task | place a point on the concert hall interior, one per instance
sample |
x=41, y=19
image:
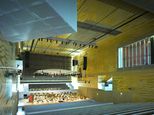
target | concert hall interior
x=76, y=57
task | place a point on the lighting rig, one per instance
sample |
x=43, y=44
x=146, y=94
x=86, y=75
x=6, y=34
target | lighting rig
x=56, y=74
x=62, y=41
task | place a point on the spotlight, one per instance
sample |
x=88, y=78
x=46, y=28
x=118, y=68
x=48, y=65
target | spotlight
x=96, y=46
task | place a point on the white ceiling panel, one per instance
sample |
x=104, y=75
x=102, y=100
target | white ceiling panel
x=22, y=20
x=8, y=6
x=23, y=16
x=43, y=10
x=28, y=3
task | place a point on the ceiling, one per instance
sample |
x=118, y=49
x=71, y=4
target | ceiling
x=108, y=15
x=143, y=4
x=22, y=20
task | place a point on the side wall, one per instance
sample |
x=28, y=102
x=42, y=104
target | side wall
x=7, y=55
x=129, y=85
x=134, y=85
x=96, y=94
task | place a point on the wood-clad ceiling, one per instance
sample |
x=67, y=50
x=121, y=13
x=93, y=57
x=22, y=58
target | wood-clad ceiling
x=112, y=14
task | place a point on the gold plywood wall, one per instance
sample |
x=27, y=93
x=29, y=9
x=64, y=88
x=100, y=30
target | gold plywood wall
x=7, y=55
x=138, y=84
x=135, y=85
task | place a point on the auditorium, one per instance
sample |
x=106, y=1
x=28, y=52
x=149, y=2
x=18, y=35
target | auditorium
x=77, y=57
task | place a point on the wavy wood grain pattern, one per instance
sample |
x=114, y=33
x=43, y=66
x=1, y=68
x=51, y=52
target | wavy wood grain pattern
x=6, y=56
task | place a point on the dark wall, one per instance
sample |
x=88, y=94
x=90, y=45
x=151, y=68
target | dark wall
x=34, y=62
x=58, y=86
x=152, y=50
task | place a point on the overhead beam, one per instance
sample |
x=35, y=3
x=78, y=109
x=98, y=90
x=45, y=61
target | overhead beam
x=96, y=28
x=100, y=36
x=32, y=45
x=35, y=45
x=70, y=41
x=121, y=4
x=50, y=49
x=147, y=6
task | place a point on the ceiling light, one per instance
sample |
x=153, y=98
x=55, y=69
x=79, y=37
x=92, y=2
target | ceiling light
x=78, y=52
x=24, y=48
x=96, y=46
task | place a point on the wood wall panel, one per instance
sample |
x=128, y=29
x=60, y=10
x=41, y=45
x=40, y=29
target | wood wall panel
x=98, y=95
x=129, y=85
x=140, y=83
x=7, y=55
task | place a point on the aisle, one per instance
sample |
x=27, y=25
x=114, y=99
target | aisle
x=50, y=108
x=91, y=108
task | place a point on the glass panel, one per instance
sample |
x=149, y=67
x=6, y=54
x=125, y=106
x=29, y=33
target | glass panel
x=135, y=54
x=128, y=50
x=123, y=57
x=142, y=52
x=132, y=45
x=149, y=51
x=138, y=54
x=126, y=56
x=120, y=57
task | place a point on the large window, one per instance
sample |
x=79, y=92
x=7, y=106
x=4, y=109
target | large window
x=137, y=54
